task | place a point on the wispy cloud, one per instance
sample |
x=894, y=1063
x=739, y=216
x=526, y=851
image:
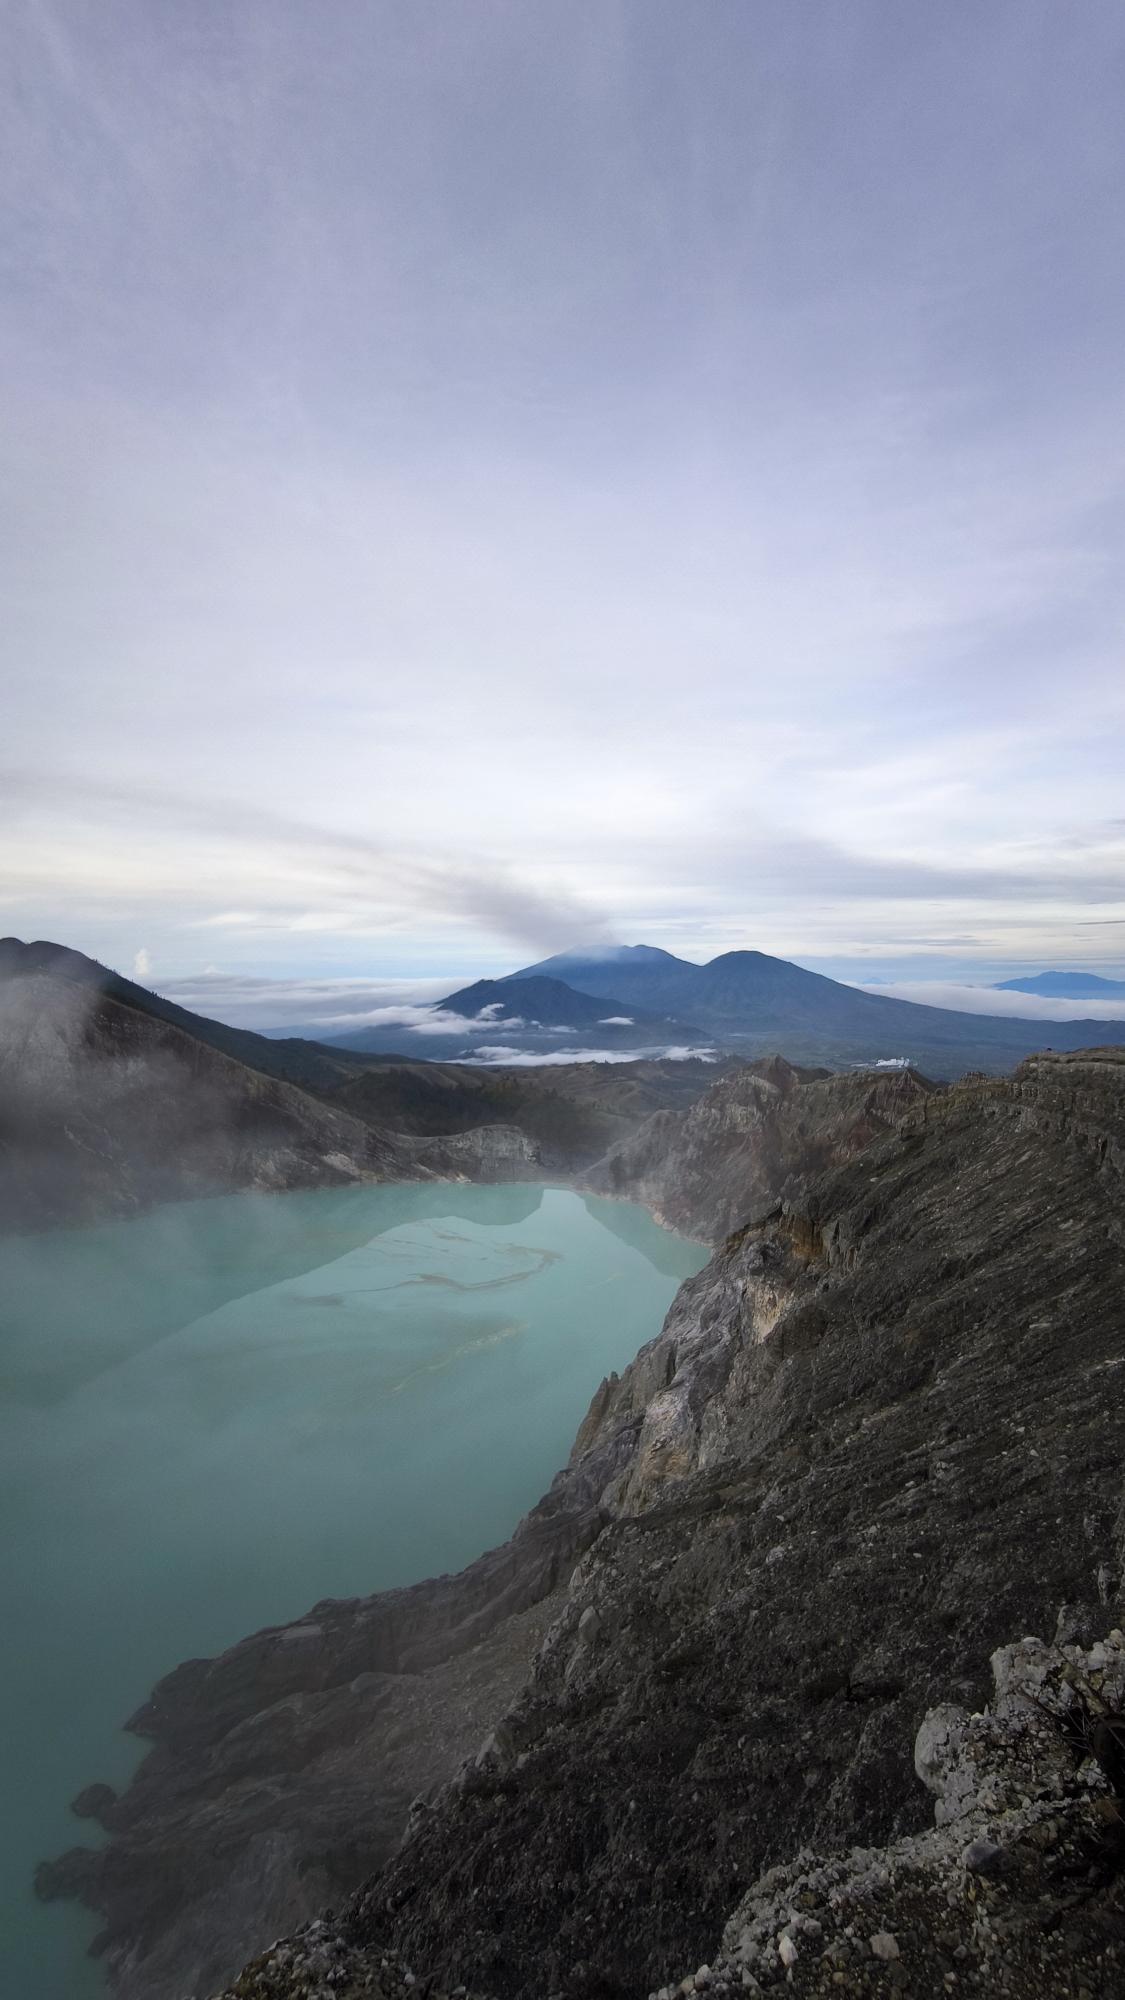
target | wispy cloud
x=370, y=878
x=987, y=1000
x=252, y=1001
x=498, y=1055
x=561, y=477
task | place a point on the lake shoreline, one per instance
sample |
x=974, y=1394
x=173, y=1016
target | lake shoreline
x=487, y=1336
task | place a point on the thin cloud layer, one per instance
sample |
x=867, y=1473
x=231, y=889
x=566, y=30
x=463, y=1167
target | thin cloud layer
x=497, y=1055
x=986, y=1000
x=576, y=475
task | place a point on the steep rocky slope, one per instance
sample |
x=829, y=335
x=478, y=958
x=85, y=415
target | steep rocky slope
x=748, y=1138
x=293, y=1059
x=1018, y=1888
x=112, y=1099
x=879, y=1435
x=105, y=1110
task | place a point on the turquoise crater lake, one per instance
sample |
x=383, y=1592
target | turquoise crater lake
x=215, y=1414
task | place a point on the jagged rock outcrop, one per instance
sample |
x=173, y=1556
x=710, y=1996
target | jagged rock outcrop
x=749, y=1138
x=1018, y=1887
x=1027, y=1806
x=879, y=1435
x=485, y=1153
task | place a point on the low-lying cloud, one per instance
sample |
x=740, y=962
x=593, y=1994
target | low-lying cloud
x=499, y=1057
x=987, y=1000
x=250, y=1000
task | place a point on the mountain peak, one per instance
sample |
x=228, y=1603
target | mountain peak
x=1063, y=985
x=610, y=954
x=536, y=998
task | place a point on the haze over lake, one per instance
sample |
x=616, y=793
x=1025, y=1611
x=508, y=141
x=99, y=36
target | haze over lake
x=218, y=1413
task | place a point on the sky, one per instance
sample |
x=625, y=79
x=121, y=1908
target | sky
x=483, y=479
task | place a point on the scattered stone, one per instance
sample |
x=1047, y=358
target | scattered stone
x=884, y=1945
x=983, y=1857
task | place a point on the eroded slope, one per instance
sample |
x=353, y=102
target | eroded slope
x=888, y=1438
x=748, y=1139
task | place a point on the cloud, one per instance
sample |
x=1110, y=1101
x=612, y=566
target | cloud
x=252, y=1001
x=380, y=527
x=616, y=1021
x=493, y=1016
x=964, y=999
x=420, y=1020
x=368, y=875
x=498, y=1055
x=142, y=965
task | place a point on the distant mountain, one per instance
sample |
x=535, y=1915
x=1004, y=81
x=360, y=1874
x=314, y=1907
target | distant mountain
x=639, y=974
x=537, y=1014
x=754, y=1004
x=545, y=1003
x=1065, y=986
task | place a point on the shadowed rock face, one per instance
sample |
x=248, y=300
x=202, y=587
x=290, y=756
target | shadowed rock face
x=749, y=1138
x=878, y=1435
x=985, y=1898
x=571, y=1113
x=106, y=1110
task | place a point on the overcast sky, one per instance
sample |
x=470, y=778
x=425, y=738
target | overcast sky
x=484, y=477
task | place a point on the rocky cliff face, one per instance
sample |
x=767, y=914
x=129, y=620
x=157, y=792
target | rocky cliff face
x=879, y=1436
x=1026, y=1803
x=749, y=1138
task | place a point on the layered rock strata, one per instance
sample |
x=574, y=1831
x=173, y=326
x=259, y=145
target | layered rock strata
x=750, y=1138
x=1017, y=1888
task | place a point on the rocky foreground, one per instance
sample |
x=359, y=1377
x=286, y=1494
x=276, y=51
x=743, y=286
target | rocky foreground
x=1016, y=1889
x=879, y=1437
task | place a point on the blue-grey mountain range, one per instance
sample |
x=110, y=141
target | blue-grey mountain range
x=744, y=1002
